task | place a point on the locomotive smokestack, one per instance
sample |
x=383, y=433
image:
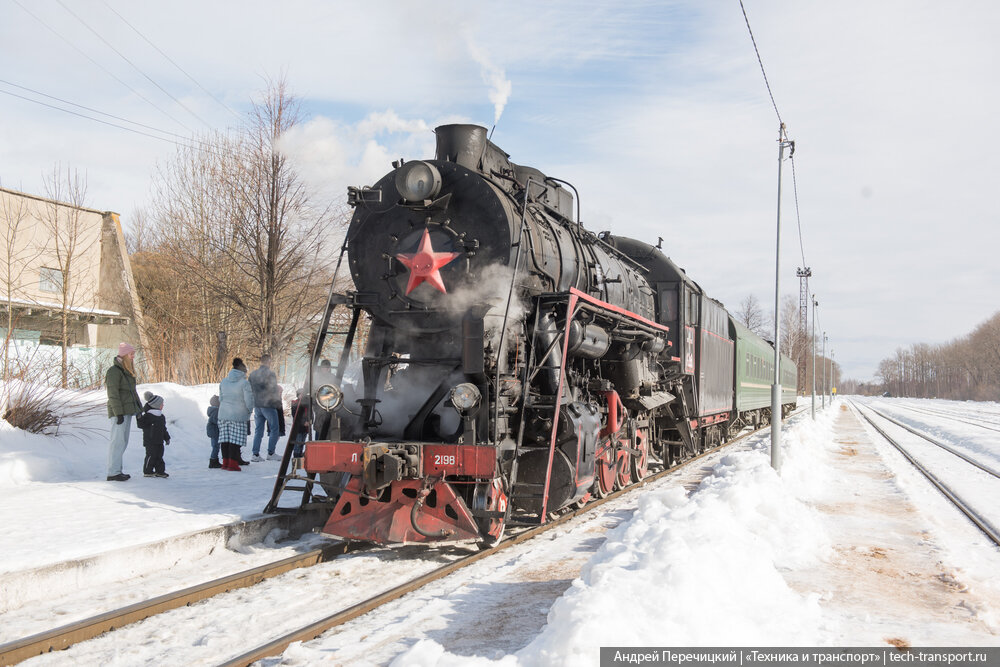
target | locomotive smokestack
x=463, y=144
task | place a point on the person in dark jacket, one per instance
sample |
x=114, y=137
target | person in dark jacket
x=154, y=435
x=266, y=396
x=123, y=402
x=212, y=431
x=301, y=402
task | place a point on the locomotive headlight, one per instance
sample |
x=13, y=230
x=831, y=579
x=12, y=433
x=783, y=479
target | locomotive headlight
x=329, y=397
x=417, y=181
x=465, y=397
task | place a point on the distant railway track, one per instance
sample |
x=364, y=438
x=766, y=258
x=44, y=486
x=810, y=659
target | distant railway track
x=66, y=636
x=946, y=415
x=981, y=522
x=935, y=441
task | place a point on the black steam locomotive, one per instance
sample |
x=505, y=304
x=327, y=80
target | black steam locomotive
x=513, y=362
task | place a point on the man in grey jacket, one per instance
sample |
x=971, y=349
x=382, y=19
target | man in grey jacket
x=265, y=397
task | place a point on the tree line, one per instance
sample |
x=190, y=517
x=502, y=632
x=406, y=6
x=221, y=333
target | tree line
x=967, y=368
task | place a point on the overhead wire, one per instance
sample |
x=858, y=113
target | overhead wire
x=791, y=157
x=101, y=67
x=171, y=61
x=203, y=146
x=761, y=62
x=134, y=66
x=183, y=139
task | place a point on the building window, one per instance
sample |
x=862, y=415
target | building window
x=50, y=280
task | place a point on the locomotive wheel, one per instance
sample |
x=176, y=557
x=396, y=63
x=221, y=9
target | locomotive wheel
x=493, y=497
x=605, y=468
x=640, y=461
x=623, y=466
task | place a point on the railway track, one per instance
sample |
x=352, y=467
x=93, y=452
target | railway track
x=951, y=494
x=66, y=636
x=952, y=417
x=934, y=441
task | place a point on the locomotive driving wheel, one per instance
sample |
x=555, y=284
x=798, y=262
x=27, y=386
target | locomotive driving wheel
x=623, y=464
x=605, y=467
x=640, y=460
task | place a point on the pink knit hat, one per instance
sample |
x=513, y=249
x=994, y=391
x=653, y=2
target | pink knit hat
x=125, y=349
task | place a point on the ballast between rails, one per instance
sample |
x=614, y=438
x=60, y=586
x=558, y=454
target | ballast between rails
x=980, y=522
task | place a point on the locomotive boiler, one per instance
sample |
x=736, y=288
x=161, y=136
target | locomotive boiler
x=497, y=361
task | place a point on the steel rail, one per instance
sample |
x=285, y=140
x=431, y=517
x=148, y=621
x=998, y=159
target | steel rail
x=980, y=522
x=317, y=628
x=934, y=441
x=951, y=417
x=65, y=636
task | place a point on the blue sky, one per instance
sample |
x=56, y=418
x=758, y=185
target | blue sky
x=656, y=111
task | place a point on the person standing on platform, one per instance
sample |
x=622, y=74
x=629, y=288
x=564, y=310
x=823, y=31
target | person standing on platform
x=235, y=406
x=154, y=435
x=123, y=403
x=265, y=396
x=212, y=431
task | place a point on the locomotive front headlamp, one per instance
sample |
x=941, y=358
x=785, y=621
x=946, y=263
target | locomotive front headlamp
x=329, y=397
x=465, y=397
x=417, y=181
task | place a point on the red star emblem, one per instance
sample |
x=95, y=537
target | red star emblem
x=425, y=264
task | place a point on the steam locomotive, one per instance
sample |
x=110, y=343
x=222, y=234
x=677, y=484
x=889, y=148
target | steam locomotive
x=512, y=362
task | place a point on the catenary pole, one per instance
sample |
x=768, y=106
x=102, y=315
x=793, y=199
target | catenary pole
x=833, y=368
x=824, y=370
x=783, y=143
x=813, y=346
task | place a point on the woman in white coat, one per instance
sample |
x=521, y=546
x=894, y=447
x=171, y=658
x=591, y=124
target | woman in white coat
x=235, y=406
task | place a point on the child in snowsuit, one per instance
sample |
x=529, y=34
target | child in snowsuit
x=154, y=435
x=212, y=431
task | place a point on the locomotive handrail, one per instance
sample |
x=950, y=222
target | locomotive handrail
x=506, y=316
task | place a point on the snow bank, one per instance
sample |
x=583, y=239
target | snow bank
x=79, y=451
x=682, y=564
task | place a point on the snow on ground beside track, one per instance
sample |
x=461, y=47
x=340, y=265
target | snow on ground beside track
x=58, y=505
x=712, y=568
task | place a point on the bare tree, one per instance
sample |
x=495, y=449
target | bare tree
x=17, y=237
x=69, y=247
x=751, y=315
x=244, y=239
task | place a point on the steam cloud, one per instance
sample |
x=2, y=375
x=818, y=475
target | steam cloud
x=494, y=76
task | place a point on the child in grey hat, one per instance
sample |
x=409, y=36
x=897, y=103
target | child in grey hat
x=154, y=435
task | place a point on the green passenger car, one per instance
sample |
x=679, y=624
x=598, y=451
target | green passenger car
x=754, y=361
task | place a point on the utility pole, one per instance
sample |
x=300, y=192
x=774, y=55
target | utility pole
x=804, y=275
x=824, y=370
x=833, y=374
x=783, y=143
x=812, y=344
